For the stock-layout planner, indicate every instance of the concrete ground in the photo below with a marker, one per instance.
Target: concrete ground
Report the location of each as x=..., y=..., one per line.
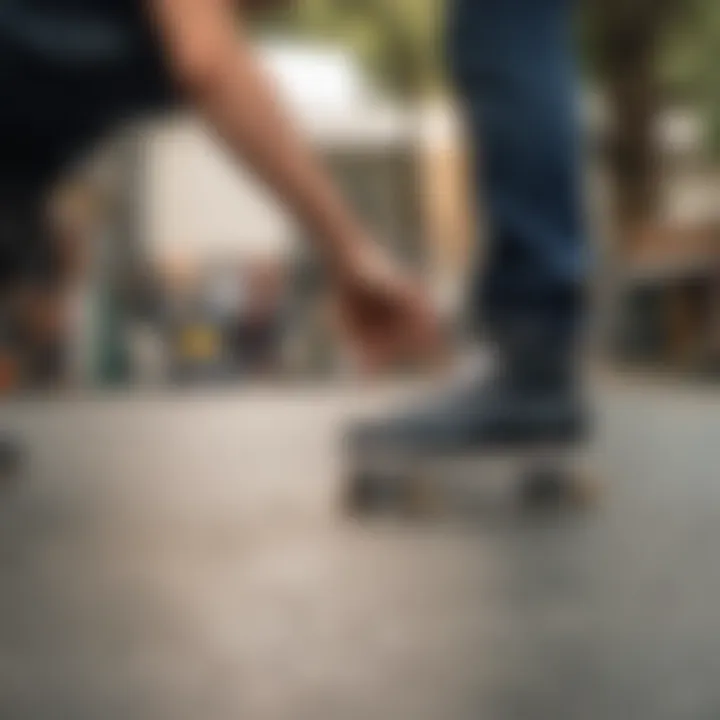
x=183, y=558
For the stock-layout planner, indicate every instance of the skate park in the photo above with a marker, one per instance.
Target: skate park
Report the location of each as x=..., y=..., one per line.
x=176, y=557
x=175, y=542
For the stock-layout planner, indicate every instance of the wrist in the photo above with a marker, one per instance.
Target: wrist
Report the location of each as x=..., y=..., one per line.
x=344, y=253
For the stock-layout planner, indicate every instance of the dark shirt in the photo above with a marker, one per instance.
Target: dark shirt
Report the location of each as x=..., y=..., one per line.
x=71, y=70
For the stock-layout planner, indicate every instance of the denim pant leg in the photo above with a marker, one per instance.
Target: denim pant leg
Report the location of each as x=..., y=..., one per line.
x=513, y=64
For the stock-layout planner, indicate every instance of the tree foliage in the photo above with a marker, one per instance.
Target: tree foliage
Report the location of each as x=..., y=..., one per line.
x=689, y=65
x=398, y=41
x=645, y=54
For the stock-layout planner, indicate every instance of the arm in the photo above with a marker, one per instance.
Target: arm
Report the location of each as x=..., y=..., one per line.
x=211, y=56
x=383, y=312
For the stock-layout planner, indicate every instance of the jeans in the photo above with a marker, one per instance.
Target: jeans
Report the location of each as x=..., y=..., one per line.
x=513, y=65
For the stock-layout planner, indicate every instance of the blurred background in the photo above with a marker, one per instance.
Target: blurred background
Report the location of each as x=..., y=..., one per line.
x=188, y=271
x=180, y=554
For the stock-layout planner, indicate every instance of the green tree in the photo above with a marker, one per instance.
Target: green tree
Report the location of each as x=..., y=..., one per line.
x=690, y=67
x=643, y=53
x=398, y=41
x=625, y=39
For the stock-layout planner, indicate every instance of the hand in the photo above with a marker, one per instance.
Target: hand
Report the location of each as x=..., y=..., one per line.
x=384, y=313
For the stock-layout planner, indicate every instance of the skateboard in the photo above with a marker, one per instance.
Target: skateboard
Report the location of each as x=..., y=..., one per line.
x=421, y=484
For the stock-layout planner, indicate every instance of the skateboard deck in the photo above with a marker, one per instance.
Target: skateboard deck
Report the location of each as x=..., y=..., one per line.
x=544, y=478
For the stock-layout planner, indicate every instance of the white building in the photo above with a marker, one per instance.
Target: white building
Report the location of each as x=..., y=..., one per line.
x=198, y=204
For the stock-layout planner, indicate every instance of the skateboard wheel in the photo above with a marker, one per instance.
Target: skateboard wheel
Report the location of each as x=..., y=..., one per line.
x=554, y=487
x=586, y=490
x=370, y=492
x=417, y=496
x=363, y=493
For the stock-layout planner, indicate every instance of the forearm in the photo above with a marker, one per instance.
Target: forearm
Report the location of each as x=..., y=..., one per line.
x=225, y=81
x=242, y=108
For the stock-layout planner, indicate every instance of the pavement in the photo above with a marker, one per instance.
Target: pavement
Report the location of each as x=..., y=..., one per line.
x=183, y=557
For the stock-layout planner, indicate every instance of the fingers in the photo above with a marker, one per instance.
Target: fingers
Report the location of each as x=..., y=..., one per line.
x=388, y=324
x=365, y=345
x=412, y=337
x=422, y=336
